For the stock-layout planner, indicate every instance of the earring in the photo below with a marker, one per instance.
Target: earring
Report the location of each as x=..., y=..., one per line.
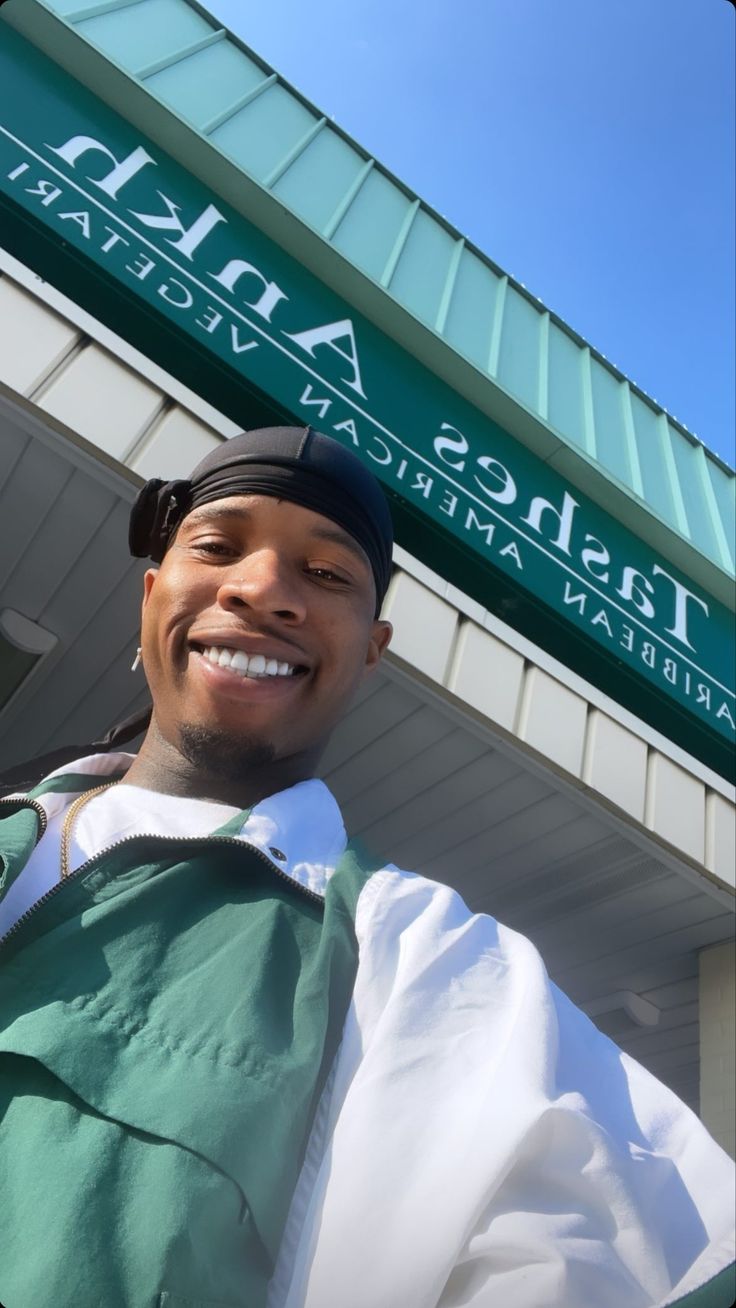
x=137, y=659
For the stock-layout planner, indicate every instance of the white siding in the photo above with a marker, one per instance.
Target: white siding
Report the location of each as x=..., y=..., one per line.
x=552, y=720
x=174, y=447
x=102, y=400
x=424, y=626
x=720, y=838
x=675, y=806
x=718, y=1044
x=487, y=675
x=616, y=764
x=33, y=340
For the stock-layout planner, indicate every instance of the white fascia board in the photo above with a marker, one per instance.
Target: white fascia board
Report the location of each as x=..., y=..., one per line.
x=117, y=346
x=540, y=658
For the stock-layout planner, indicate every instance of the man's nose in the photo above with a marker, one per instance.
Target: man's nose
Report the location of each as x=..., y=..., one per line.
x=263, y=581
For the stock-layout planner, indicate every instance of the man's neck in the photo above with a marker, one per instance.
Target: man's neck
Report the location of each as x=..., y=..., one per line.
x=162, y=767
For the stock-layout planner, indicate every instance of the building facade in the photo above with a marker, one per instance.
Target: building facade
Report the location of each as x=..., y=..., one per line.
x=189, y=249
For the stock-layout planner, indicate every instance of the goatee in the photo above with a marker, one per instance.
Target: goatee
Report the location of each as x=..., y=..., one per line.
x=227, y=755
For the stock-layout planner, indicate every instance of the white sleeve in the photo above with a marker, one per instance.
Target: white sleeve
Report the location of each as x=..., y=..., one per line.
x=482, y=1144
x=616, y=1195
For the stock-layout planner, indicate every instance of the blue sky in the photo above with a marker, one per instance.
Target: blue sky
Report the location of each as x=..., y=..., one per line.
x=587, y=146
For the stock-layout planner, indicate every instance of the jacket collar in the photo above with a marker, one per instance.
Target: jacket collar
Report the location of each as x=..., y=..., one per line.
x=300, y=830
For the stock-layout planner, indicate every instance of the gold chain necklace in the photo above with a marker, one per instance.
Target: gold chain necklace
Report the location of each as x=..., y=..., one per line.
x=71, y=813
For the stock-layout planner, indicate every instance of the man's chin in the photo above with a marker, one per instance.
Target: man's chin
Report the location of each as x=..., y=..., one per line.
x=217, y=752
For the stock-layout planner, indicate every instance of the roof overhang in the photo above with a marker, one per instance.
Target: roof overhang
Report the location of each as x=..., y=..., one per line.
x=183, y=142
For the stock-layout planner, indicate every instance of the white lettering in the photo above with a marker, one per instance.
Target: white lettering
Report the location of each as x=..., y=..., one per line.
x=682, y=595
x=81, y=217
x=211, y=319
x=22, y=168
x=599, y=556
x=669, y=669
x=45, y=188
x=237, y=346
x=601, y=619
x=579, y=599
x=448, y=503
x=627, y=637
x=401, y=470
x=387, y=453
x=327, y=335
x=506, y=492
x=164, y=291
x=703, y=695
x=459, y=446
x=631, y=589
x=725, y=712
x=141, y=266
x=513, y=550
x=347, y=425
x=564, y=516
x=423, y=483
x=648, y=653
x=472, y=520
x=112, y=239
x=123, y=170
x=188, y=238
x=320, y=401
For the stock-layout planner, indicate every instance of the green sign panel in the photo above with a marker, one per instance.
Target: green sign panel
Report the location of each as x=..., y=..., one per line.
x=114, y=222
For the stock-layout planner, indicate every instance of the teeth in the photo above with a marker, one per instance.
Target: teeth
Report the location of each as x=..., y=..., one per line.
x=253, y=665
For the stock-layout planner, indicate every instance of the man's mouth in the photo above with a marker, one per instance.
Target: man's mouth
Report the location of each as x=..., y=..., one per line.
x=255, y=666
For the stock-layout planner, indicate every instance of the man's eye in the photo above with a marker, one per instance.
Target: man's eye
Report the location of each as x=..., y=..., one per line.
x=327, y=574
x=212, y=547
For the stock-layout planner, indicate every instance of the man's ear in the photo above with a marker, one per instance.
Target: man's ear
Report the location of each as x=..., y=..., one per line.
x=149, y=578
x=379, y=639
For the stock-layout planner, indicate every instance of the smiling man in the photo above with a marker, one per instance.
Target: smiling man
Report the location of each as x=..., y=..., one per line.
x=241, y=1064
x=263, y=618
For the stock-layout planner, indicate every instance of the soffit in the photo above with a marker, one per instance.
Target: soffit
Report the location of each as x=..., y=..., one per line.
x=428, y=794
x=416, y=782
x=200, y=93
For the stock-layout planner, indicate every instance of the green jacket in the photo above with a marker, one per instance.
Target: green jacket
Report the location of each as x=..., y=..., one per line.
x=167, y=1019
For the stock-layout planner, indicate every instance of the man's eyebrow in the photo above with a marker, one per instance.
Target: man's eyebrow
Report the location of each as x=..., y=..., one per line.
x=336, y=536
x=333, y=535
x=211, y=513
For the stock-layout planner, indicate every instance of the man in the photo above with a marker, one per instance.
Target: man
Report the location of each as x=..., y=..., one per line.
x=242, y=1065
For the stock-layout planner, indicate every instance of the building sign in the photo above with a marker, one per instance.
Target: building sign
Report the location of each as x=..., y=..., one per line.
x=111, y=209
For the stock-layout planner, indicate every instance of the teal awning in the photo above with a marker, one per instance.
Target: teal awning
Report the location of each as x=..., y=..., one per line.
x=298, y=176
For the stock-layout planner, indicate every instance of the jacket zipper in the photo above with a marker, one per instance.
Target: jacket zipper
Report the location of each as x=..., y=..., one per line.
x=177, y=840
x=30, y=803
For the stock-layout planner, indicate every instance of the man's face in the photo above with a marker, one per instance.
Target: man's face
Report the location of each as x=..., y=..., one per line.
x=256, y=576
